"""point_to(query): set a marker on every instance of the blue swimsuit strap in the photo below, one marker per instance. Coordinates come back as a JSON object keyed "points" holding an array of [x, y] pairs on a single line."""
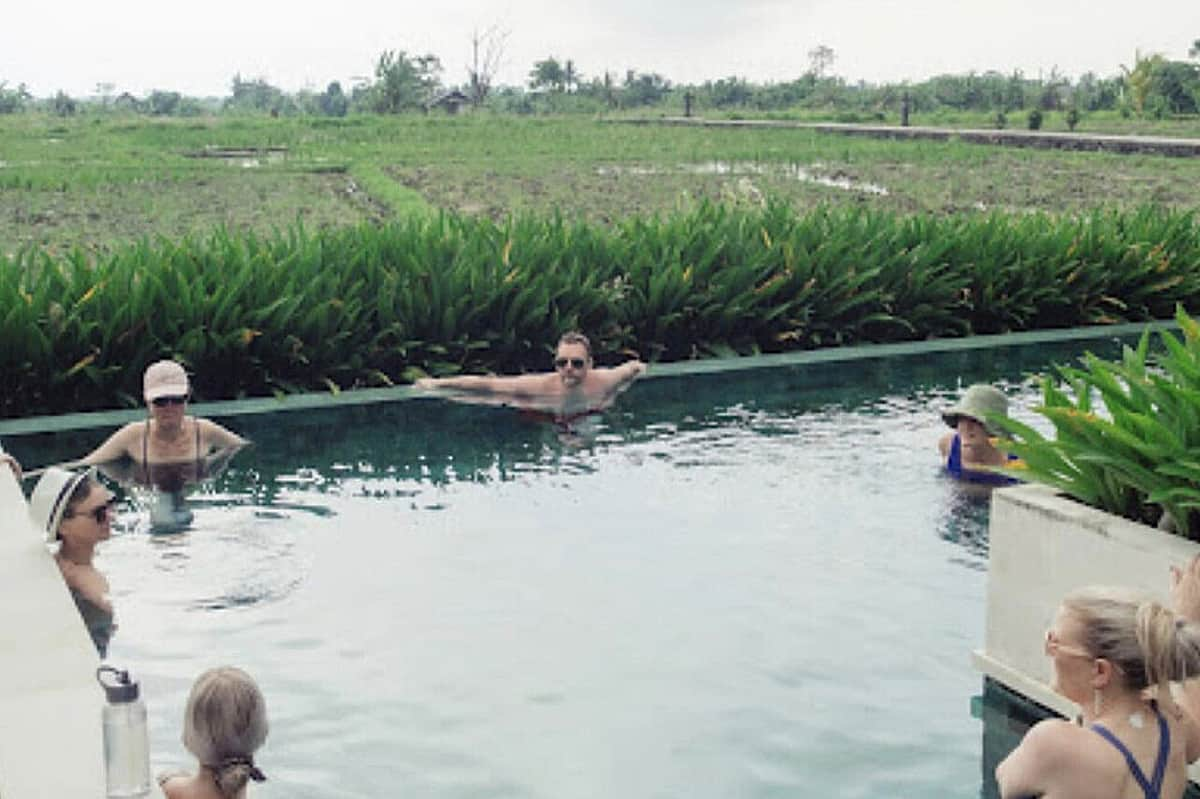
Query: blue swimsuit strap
{"points": [[954, 461], [1151, 788], [955, 468]]}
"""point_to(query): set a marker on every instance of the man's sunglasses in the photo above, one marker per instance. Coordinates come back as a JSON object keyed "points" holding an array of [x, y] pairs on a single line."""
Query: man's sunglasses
{"points": [[99, 513], [162, 402], [576, 363]]}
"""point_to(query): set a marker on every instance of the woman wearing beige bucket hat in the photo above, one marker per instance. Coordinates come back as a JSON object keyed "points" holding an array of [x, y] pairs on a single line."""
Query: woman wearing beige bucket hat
{"points": [[73, 510], [169, 435], [969, 452]]}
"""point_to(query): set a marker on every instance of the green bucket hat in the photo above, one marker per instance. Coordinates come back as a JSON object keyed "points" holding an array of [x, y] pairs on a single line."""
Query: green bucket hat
{"points": [[978, 401]]}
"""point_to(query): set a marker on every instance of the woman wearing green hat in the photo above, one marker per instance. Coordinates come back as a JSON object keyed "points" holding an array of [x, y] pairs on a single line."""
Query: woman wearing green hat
{"points": [[969, 452]]}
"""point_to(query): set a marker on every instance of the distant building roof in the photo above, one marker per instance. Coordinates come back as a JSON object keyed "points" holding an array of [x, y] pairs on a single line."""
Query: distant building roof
{"points": [[450, 100]]}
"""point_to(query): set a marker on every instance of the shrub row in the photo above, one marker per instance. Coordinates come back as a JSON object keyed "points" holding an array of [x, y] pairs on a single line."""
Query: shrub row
{"points": [[376, 305]]}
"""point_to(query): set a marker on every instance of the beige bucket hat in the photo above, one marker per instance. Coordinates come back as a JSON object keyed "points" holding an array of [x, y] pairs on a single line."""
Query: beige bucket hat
{"points": [[978, 401]]}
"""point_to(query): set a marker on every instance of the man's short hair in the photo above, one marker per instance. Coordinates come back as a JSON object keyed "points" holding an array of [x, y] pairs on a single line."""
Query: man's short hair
{"points": [[574, 337]]}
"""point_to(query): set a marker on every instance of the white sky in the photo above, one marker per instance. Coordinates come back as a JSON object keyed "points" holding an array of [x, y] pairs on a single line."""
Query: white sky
{"points": [[196, 48]]}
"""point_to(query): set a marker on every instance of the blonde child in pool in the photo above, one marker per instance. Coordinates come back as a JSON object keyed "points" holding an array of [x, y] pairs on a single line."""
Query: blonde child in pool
{"points": [[224, 723]]}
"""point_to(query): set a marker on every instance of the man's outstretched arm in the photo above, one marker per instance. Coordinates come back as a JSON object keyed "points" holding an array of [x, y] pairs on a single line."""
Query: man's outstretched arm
{"points": [[518, 385], [618, 378]]}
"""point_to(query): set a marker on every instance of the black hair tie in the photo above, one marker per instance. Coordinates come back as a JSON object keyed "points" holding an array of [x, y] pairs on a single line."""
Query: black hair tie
{"points": [[254, 772]]}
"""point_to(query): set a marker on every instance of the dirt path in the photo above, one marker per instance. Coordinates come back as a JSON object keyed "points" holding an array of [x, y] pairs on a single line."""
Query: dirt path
{"points": [[1147, 145]]}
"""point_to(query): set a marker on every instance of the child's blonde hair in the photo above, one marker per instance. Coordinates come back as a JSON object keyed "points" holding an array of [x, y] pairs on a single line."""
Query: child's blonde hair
{"points": [[224, 724]]}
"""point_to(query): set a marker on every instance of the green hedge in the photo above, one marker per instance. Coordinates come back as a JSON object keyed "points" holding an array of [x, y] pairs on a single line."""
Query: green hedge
{"points": [[376, 305]]}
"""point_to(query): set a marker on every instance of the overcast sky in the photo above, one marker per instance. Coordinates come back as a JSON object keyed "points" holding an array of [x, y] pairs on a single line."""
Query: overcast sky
{"points": [[196, 48]]}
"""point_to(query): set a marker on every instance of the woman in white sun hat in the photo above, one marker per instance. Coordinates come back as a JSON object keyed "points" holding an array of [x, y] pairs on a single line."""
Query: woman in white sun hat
{"points": [[74, 511]]}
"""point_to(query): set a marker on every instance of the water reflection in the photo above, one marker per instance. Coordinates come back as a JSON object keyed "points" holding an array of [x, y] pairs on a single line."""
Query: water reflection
{"points": [[162, 488], [964, 520], [99, 621]]}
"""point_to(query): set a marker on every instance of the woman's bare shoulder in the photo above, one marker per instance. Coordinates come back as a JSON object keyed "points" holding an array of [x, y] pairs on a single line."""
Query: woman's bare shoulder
{"points": [[1059, 739]]}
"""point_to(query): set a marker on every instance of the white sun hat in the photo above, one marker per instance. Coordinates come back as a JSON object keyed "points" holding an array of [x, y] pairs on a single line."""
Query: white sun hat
{"points": [[49, 499]]}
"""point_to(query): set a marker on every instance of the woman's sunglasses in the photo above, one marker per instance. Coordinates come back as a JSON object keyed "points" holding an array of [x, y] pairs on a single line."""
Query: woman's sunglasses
{"points": [[561, 363], [99, 513], [1053, 646], [162, 402]]}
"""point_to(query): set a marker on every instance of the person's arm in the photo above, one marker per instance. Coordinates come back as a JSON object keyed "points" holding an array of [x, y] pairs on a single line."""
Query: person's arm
{"points": [[944, 445], [1028, 769], [618, 378], [117, 445], [218, 437], [1186, 699], [518, 385], [1185, 599]]}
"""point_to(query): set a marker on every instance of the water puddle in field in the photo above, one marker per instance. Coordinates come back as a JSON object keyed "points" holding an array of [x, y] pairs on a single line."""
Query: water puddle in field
{"points": [[244, 157], [815, 173]]}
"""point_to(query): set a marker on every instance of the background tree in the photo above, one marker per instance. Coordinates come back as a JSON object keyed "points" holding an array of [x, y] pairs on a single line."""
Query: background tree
{"points": [[258, 95], [63, 104], [571, 76], [1140, 79], [548, 74], [727, 92], [1175, 84], [602, 88], [487, 51], [645, 88], [163, 103], [104, 90], [13, 100], [403, 83], [1194, 50], [820, 59], [333, 102]]}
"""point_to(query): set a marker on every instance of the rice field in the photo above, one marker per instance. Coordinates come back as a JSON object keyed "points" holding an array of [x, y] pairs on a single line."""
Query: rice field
{"points": [[96, 182]]}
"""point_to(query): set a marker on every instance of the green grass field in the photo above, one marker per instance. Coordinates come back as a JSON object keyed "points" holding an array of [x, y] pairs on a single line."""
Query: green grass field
{"points": [[95, 181]]}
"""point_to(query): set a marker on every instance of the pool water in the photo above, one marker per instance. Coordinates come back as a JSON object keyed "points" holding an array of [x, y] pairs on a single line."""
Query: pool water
{"points": [[745, 584]]}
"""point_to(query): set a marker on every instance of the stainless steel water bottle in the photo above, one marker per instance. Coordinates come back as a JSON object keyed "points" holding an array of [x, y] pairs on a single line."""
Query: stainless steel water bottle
{"points": [[126, 742]]}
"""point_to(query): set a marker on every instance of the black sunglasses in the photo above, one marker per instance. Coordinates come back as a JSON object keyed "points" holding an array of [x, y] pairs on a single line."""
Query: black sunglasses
{"points": [[162, 402], [99, 513], [576, 363]]}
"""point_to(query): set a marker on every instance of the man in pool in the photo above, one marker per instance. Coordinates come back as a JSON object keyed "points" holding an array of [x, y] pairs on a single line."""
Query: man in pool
{"points": [[574, 388]]}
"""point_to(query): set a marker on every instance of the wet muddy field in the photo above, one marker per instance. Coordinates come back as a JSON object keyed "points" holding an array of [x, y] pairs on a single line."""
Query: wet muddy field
{"points": [[97, 183]]}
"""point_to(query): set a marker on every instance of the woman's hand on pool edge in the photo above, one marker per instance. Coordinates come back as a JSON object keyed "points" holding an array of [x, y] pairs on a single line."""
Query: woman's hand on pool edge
{"points": [[12, 464], [1185, 590]]}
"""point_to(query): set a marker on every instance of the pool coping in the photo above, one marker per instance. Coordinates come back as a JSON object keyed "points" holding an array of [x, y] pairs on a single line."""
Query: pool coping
{"points": [[364, 396], [50, 743]]}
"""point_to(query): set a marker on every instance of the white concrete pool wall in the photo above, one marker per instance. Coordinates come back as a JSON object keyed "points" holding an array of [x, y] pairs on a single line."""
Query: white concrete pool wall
{"points": [[1041, 546], [50, 739]]}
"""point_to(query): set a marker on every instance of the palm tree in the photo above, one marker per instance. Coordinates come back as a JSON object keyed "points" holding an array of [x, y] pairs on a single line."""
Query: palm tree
{"points": [[1140, 78], [571, 76]]}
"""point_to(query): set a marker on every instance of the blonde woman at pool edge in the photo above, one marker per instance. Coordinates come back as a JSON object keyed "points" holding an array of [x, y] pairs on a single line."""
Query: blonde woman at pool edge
{"points": [[1114, 655]]}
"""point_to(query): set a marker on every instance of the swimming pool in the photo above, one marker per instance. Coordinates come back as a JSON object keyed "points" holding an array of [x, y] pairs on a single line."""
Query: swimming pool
{"points": [[749, 584]]}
